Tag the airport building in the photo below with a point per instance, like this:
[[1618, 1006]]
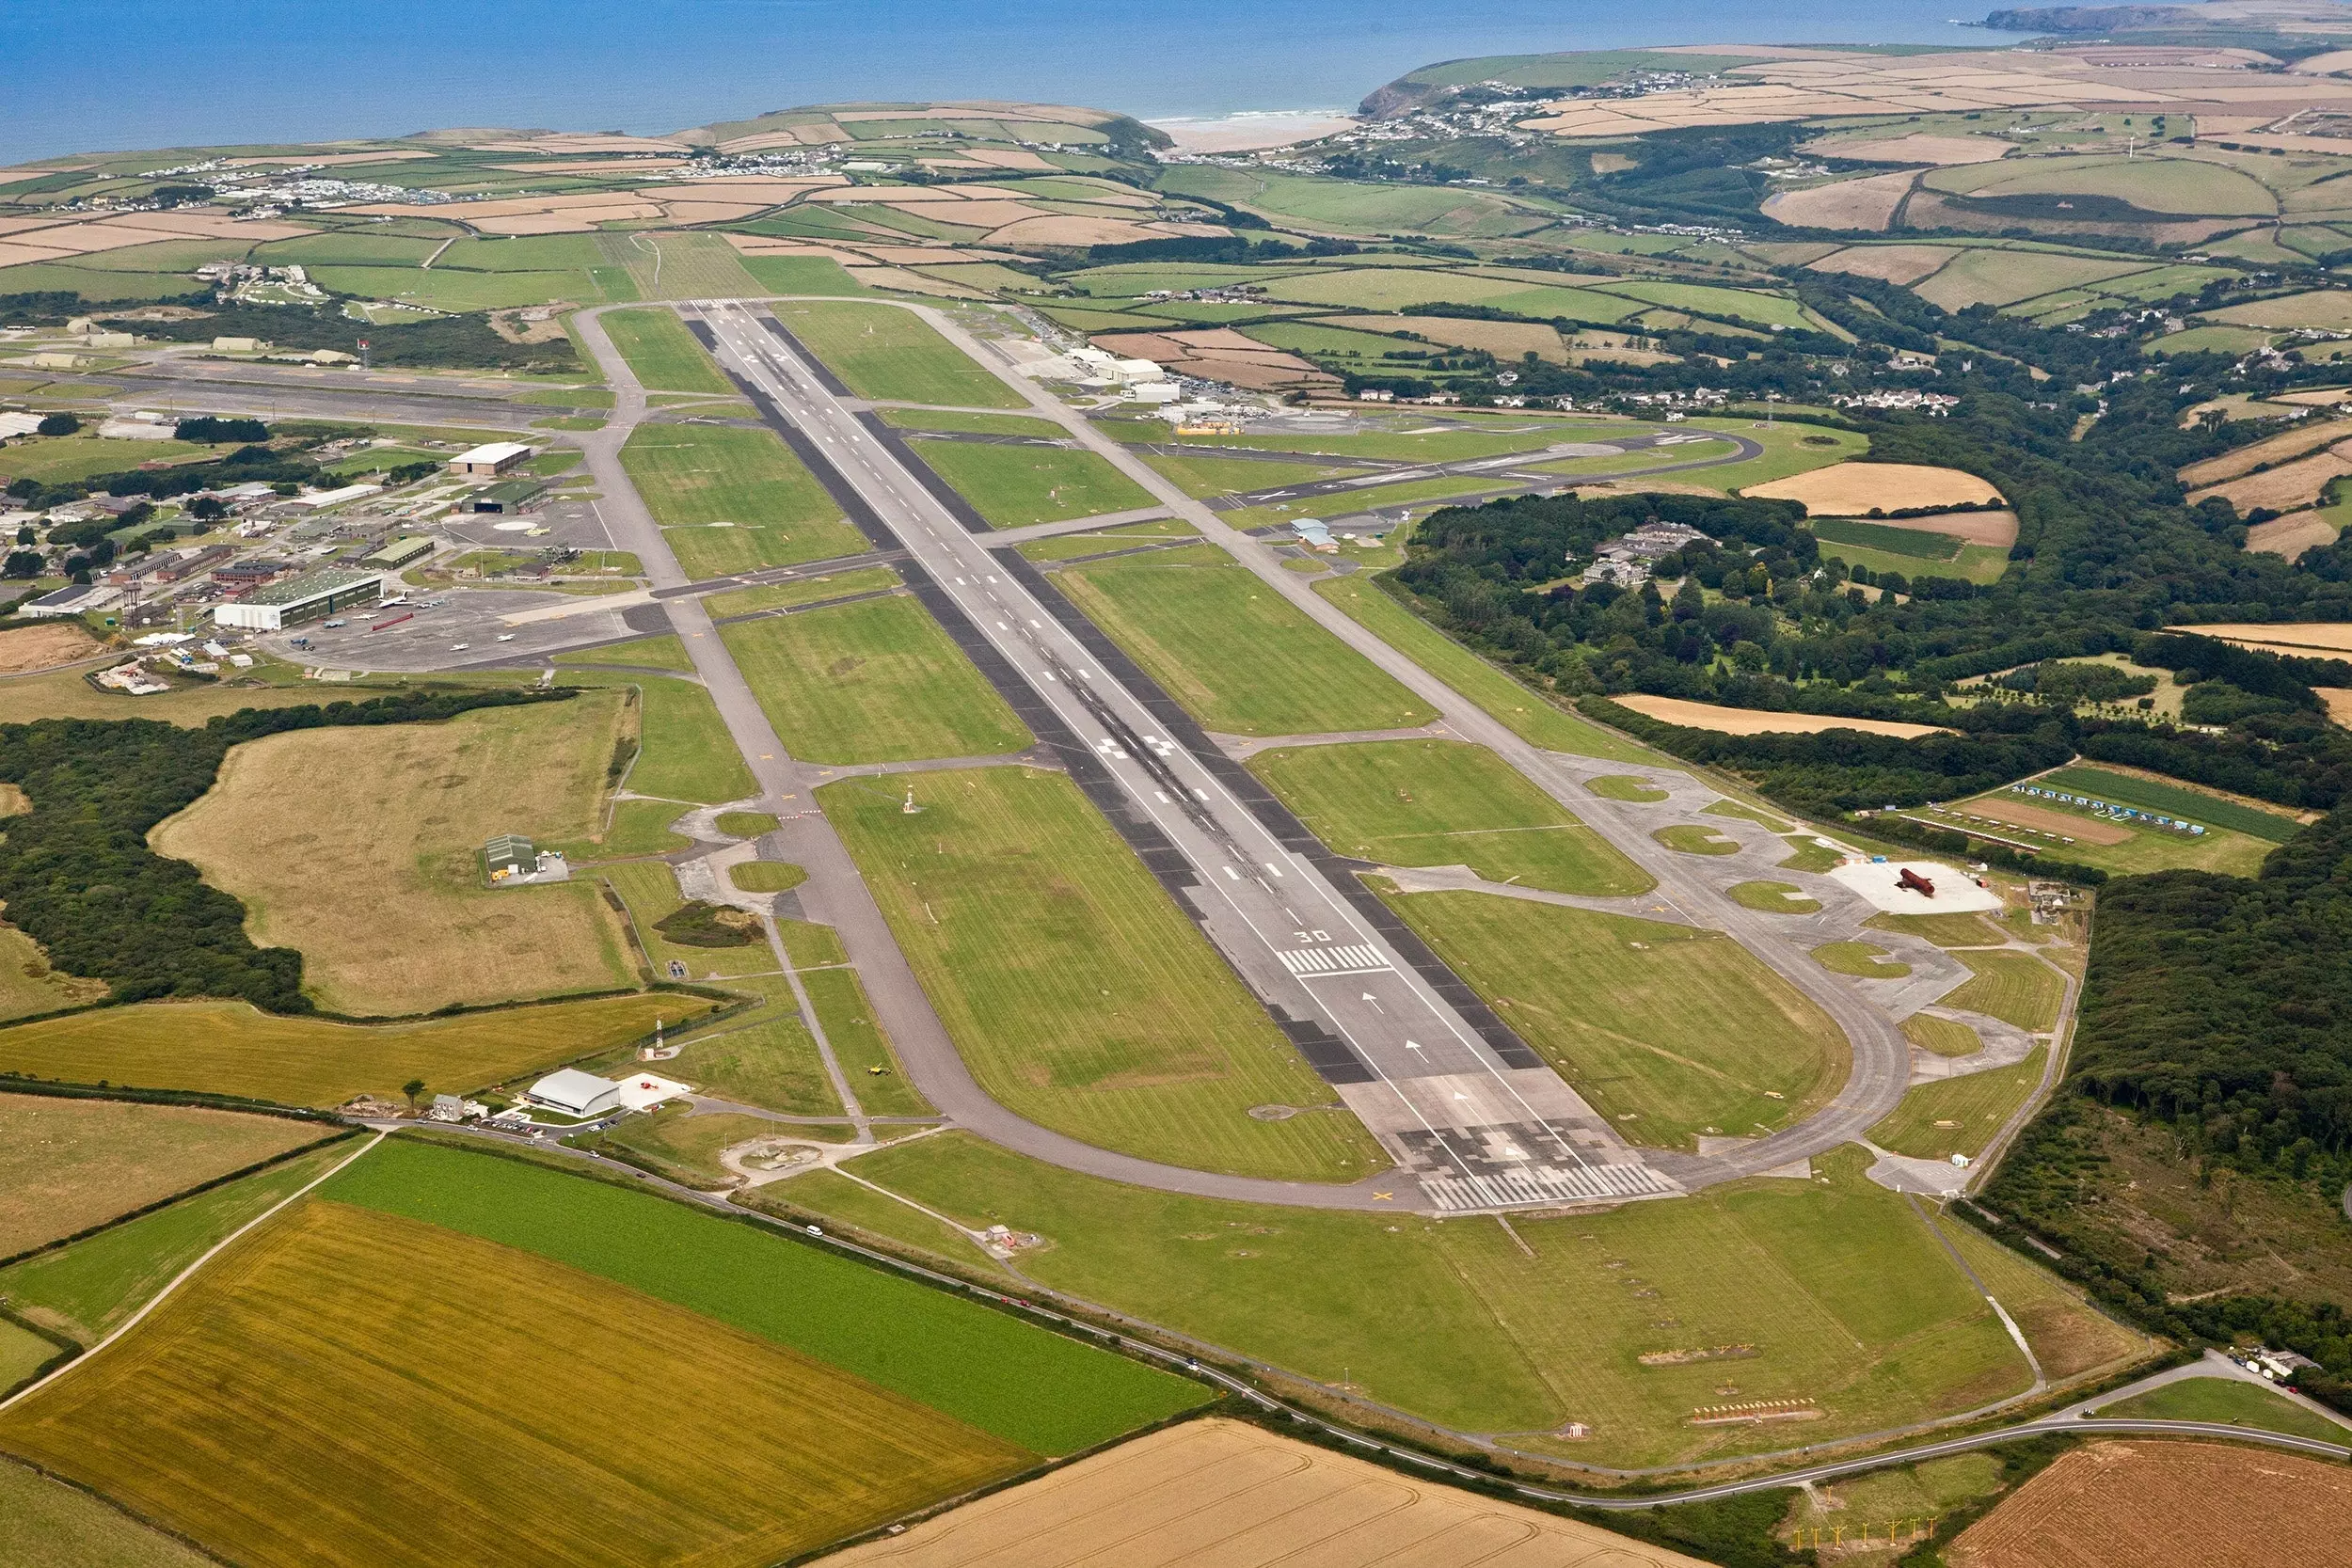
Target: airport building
[[488, 461], [277, 606]]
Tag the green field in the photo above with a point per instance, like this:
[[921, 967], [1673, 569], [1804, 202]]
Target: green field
[[1405, 289], [860, 1046], [874, 681], [1944, 930], [1104, 541], [2225, 1400], [1668, 1032], [56, 1526], [1205, 476], [740, 496], [1624, 786], [1862, 960], [1013, 487], [1455, 1322], [880, 351], [231, 1048], [82, 1290], [1079, 993], [2015, 988], [305, 1401], [1692, 838], [1025, 1385], [1810, 855], [763, 1057], [1518, 710], [1959, 1116], [1442, 802], [968, 420], [649, 889], [686, 752], [640, 652], [2172, 800], [682, 1142], [663, 353], [1241, 659], [1885, 539], [1943, 1035], [785, 596], [1774, 897], [2185, 186], [61, 459], [1748, 305], [1373, 208]]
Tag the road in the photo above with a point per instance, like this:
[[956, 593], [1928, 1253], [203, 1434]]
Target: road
[[1460, 1102]]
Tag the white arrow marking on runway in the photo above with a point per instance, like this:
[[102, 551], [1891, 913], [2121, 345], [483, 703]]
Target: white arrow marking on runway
[[1415, 1045], [1375, 1003]]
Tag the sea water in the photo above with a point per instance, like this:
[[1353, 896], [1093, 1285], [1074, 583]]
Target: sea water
[[88, 75]]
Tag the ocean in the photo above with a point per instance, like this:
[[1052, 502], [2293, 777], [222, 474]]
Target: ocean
[[92, 76]]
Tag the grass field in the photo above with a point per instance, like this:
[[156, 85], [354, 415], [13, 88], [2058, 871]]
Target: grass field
[[2173, 801], [230, 1048], [644, 653], [860, 1046], [2015, 988], [83, 1291], [783, 596], [1862, 960], [1774, 897], [764, 1057], [1693, 838], [1079, 993], [1013, 487], [663, 355], [682, 1144], [748, 501], [276, 830], [1522, 711], [29, 986], [1668, 1032], [2136, 849], [2216, 1399], [1455, 1322], [1959, 1116], [1624, 786], [1206, 475], [1237, 656], [650, 890], [1943, 1035], [1103, 541], [880, 351], [56, 1526], [1442, 802], [59, 459], [302, 1403], [875, 681], [1021, 1384], [1810, 854], [685, 752], [1944, 930], [974, 423], [67, 1165]]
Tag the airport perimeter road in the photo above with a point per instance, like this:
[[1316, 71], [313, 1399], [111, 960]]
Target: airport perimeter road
[[1882, 1057], [1462, 1104]]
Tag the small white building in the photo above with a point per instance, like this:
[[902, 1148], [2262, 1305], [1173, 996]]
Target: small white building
[[488, 460], [575, 1093]]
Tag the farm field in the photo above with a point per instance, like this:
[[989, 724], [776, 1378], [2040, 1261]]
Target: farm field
[[1959, 1116], [1019, 1382], [1670, 1033], [276, 830], [2222, 1399], [2323, 309], [705, 1441], [1456, 1323], [1405, 289], [1079, 993], [1241, 659], [84, 1288], [880, 351], [2273, 450], [730, 499], [2171, 800], [2118, 848], [1705, 716], [28, 985], [67, 1165], [2292, 484], [1854, 489], [1444, 802], [1527, 715], [231, 1048], [874, 681], [45, 645], [663, 355], [2166, 1505], [47, 1522], [2015, 988], [1254, 1499], [1984, 274], [1013, 487]]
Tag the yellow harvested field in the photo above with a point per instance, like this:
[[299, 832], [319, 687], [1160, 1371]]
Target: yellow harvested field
[[2286, 486], [1503, 340], [2327, 308], [2338, 703], [361, 847], [53, 235], [67, 1165], [45, 646], [233, 1048], [1977, 528], [2305, 639], [1732, 721], [1868, 202], [2169, 1505], [1942, 151], [2290, 537], [2277, 449], [1219, 1493], [1890, 263], [1853, 489], [346, 1388]]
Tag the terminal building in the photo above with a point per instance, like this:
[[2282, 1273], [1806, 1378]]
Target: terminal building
[[488, 461], [275, 605]]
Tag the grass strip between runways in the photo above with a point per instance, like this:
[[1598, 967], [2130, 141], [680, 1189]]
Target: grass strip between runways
[[1029, 1387]]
